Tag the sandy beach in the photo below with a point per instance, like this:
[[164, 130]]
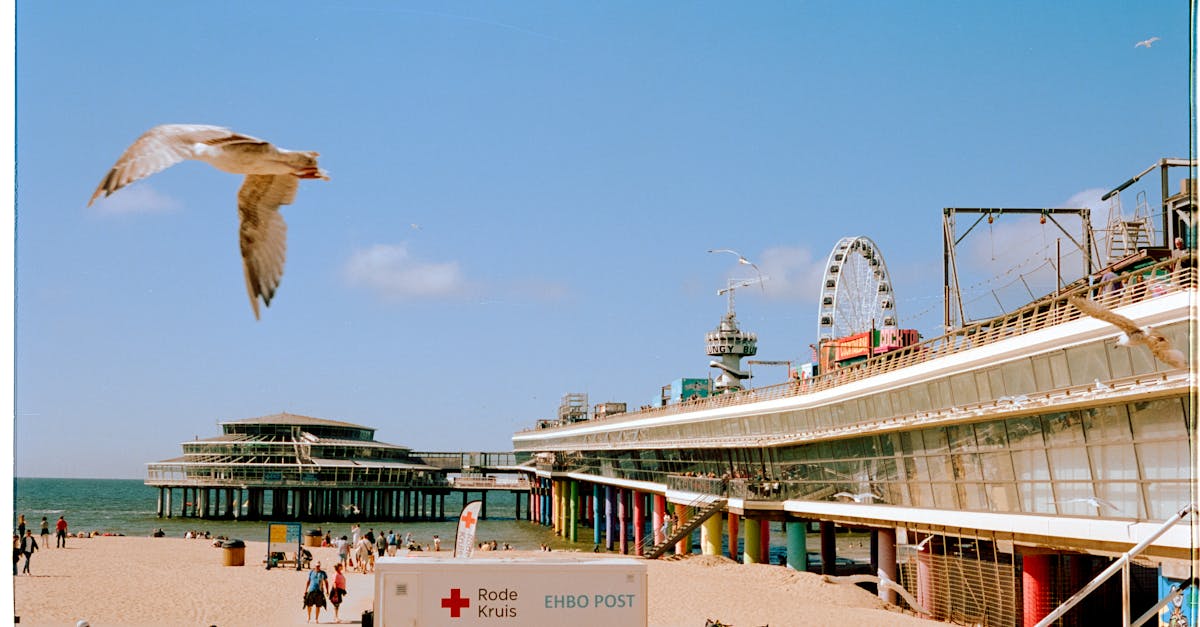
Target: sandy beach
[[173, 581]]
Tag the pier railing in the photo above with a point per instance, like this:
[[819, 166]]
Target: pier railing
[[289, 476], [1154, 281], [492, 483]]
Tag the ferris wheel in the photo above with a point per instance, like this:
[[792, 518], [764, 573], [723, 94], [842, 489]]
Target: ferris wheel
[[856, 291]]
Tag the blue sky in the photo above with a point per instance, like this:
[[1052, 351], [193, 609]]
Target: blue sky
[[522, 195]]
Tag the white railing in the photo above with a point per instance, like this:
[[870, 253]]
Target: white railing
[[1143, 284], [1121, 566]]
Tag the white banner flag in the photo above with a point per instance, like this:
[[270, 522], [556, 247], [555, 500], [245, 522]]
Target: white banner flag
[[464, 540]]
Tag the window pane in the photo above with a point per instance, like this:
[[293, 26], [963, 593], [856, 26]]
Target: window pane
[[1088, 363], [1018, 377]]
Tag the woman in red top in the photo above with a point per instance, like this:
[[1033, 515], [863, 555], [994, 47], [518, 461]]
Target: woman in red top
[[337, 590]]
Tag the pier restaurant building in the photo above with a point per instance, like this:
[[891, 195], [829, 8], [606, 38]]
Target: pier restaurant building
[[287, 466], [998, 468]]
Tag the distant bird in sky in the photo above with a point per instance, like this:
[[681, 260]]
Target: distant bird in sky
[[1146, 43], [742, 260], [1131, 333], [858, 498], [272, 177]]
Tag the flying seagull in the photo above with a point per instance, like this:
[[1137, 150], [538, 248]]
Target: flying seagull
[[1093, 501], [1146, 44], [742, 260], [746, 262], [857, 498], [272, 176], [1132, 333]]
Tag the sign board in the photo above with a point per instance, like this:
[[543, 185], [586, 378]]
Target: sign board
[[468, 521], [281, 535], [580, 593]]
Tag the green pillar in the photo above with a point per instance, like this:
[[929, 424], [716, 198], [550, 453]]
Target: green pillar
[[572, 509], [797, 545], [752, 546]]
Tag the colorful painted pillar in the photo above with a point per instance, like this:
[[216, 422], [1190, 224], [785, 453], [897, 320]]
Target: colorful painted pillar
[[574, 509], [590, 515], [656, 516], [710, 535], [752, 547], [639, 522], [597, 513], [797, 545], [885, 556], [764, 539], [621, 522], [1037, 586], [610, 495], [1185, 602], [544, 506], [925, 589], [733, 536], [828, 548], [556, 506], [684, 545]]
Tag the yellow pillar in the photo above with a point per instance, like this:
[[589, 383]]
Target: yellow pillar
[[710, 536], [752, 546], [556, 499]]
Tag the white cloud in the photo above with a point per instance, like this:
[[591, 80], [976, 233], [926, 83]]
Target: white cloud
[[793, 273], [136, 199], [391, 272]]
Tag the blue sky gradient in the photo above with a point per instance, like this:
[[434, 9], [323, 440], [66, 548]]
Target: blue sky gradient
[[523, 194]]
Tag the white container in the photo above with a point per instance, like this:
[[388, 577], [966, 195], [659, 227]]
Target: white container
[[496, 591]]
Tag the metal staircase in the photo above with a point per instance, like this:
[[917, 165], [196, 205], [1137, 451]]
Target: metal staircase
[[705, 506], [1125, 235]]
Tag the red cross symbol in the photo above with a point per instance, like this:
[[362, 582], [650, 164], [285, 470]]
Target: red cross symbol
[[456, 602], [469, 518]]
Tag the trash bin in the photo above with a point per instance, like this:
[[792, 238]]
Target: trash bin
[[368, 618], [235, 552], [313, 537]]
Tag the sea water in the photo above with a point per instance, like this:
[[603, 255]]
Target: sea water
[[127, 506]]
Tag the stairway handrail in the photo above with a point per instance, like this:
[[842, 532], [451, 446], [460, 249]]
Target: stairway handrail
[[1120, 565], [642, 542]]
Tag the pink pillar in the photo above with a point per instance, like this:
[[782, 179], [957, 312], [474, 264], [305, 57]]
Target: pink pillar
[[733, 536], [638, 521], [656, 516], [764, 541], [1037, 585], [621, 494], [591, 508], [925, 589]]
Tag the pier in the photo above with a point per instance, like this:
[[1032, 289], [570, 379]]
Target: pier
[[293, 467]]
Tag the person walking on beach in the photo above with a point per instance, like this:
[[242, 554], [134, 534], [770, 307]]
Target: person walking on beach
[[21, 525], [343, 549], [16, 552], [337, 591], [437, 543], [314, 591], [60, 533], [45, 533], [28, 546]]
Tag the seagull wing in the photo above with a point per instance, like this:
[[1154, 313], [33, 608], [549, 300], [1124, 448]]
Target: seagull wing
[[1160, 347], [725, 250], [845, 494], [1100, 312], [160, 148], [263, 233]]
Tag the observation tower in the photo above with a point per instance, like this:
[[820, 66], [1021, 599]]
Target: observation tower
[[730, 344]]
